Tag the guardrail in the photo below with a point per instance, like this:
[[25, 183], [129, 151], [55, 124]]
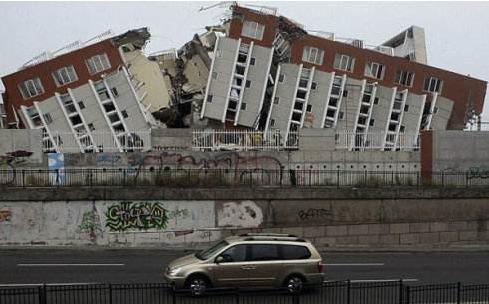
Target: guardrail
[[253, 177], [340, 292]]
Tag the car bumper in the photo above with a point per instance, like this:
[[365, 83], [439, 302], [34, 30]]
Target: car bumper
[[175, 281]]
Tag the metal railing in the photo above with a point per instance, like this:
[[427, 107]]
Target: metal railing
[[242, 140], [252, 177], [237, 140], [66, 142], [339, 292], [375, 141]]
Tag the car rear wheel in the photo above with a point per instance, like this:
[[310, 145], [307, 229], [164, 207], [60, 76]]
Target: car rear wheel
[[294, 284], [197, 285]]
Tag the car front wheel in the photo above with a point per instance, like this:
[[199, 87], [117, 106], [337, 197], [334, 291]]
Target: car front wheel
[[197, 285]]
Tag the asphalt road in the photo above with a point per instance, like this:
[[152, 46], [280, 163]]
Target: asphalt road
[[134, 265]]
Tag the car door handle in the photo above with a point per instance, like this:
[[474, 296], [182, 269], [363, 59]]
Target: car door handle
[[248, 267]]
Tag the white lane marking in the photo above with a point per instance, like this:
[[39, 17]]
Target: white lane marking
[[68, 265], [355, 264], [378, 280], [47, 284], [385, 280]]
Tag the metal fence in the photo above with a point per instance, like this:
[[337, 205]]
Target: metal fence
[[244, 140], [252, 177], [237, 140], [340, 292], [96, 141]]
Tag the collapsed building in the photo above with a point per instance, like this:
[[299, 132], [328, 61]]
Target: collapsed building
[[256, 71], [89, 96], [268, 72]]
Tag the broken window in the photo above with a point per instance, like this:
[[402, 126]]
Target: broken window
[[30, 88], [344, 62], [81, 105], [309, 108], [374, 70], [65, 75], [313, 55], [98, 63], [109, 107], [243, 106], [68, 103], [404, 78], [209, 98], [253, 30], [114, 91], [75, 120], [124, 113]]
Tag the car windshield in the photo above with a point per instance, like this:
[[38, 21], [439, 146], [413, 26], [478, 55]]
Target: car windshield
[[205, 254]]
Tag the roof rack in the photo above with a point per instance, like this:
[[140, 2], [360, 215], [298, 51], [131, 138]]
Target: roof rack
[[271, 237], [270, 234]]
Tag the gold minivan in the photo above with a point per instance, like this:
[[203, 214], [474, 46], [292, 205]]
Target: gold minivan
[[249, 260]]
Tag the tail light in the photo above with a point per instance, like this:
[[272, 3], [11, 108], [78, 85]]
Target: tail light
[[320, 267]]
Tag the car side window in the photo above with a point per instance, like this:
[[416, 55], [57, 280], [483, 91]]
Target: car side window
[[264, 252], [234, 254], [294, 252]]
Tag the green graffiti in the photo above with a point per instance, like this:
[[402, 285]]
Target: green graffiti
[[91, 224], [141, 216]]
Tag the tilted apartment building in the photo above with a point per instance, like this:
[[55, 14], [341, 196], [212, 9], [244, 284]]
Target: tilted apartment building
[[270, 73], [89, 97]]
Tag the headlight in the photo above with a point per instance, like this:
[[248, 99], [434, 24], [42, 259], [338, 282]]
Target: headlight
[[174, 271]]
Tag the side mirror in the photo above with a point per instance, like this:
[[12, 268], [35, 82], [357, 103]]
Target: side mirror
[[219, 259]]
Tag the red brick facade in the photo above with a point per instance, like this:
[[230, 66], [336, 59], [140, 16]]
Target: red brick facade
[[13, 97]]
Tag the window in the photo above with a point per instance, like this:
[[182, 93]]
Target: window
[[264, 252], [432, 84], [234, 254], [376, 100], [98, 63], [252, 61], [91, 127], [243, 106], [406, 108], [341, 114], [209, 98], [248, 83], [31, 88], [281, 78], [344, 62], [272, 122], [314, 85], [291, 252], [115, 93], [47, 118], [374, 70], [65, 75], [401, 129], [252, 30], [372, 122], [404, 78], [81, 105], [124, 113], [276, 100], [345, 93], [313, 55]]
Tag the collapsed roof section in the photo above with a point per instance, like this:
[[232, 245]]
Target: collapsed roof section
[[137, 37]]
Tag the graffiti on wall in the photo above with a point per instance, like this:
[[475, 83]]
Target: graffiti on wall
[[109, 159], [242, 214], [316, 214], [5, 215], [226, 160], [91, 224], [141, 216]]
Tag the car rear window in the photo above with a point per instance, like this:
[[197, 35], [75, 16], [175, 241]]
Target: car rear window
[[295, 252]]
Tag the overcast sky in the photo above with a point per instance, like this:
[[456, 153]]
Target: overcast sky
[[456, 32]]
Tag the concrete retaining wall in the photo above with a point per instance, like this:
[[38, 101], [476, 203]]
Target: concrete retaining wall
[[142, 219]]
